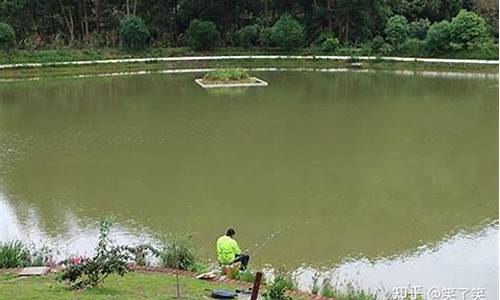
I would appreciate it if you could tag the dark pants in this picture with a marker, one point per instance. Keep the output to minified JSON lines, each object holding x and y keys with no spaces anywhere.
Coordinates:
{"x":243,"y":259}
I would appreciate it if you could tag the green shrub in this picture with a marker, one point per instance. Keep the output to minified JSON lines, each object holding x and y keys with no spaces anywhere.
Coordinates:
{"x":377,"y":43}
{"x":202,"y":35}
{"x":396,"y":30}
{"x":327,"y":289}
{"x":179,"y":252}
{"x":265,"y":37}
{"x":418,"y":29}
{"x":226,"y":75}
{"x":380,"y":47}
{"x":134,"y":33}
{"x":487,"y":50}
{"x":468,"y":29}
{"x":330,"y":45}
{"x":438,"y":37}
{"x":246,"y":275}
{"x":82,"y":272}
{"x":287,"y":33}
{"x":248,"y":35}
{"x":413,"y":48}
{"x":13,"y":255}
{"x":7,"y":36}
{"x":277,"y":290}
{"x":365,"y":49}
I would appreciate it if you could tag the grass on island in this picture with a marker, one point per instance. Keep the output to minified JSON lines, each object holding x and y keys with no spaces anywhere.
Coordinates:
{"x":227,"y":76}
{"x":137,"y":285}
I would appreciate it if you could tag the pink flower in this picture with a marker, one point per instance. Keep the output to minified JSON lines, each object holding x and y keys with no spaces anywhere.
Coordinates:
{"x":76,"y":260}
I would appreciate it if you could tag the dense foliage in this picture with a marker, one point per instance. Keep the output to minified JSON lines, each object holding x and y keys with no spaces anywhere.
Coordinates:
{"x":418,"y":29}
{"x":265,"y":36}
{"x":7,"y":36}
{"x":134,"y":33}
{"x":248,"y":35}
{"x":287,"y":33}
{"x":46,"y":24}
{"x":438,"y":37}
{"x":397,"y":30}
{"x":468,"y":29}
{"x":202,"y":35}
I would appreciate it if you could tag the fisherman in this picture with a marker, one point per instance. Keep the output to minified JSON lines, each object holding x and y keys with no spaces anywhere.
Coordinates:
{"x":228,"y":251}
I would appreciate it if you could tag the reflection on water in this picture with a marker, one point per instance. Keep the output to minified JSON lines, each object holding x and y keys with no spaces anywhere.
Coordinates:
{"x":472,"y":257}
{"x":76,"y":237}
{"x":463,"y":261}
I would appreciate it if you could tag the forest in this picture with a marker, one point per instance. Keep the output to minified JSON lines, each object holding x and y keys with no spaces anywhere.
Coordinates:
{"x":405,"y":27}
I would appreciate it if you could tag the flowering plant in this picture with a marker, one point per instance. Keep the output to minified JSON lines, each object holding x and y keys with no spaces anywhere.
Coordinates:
{"x":81,"y":271}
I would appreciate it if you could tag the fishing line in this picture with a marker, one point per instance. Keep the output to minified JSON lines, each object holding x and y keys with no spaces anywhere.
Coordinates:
{"x":258,"y":246}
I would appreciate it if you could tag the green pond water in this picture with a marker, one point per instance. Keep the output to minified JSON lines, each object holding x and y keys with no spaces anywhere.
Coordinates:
{"x":320,"y":167}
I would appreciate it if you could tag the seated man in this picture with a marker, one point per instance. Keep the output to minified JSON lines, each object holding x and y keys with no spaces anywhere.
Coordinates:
{"x":228,"y":251}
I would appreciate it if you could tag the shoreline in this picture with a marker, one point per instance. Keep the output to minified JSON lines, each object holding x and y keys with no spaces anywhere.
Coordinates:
{"x":190,"y":285}
{"x":402,"y":72}
{"x":88,"y":68}
{"x":252,"y":57}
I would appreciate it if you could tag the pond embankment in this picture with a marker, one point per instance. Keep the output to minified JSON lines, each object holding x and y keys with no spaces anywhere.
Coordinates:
{"x":61,"y":68}
{"x":244,"y":57}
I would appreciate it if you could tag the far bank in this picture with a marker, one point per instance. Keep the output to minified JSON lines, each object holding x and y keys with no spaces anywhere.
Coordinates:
{"x":83,"y":64}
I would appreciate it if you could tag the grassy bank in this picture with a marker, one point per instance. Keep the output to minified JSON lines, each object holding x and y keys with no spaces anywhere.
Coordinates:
{"x":137,"y":285}
{"x":76,"y":54}
{"x":131,"y":286}
{"x":55,"y":71}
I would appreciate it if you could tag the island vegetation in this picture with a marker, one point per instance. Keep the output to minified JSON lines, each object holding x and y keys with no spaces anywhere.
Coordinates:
{"x":227,"y":76}
{"x":44,"y":31}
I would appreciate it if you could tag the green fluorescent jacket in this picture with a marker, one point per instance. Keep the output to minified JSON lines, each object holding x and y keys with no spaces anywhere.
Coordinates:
{"x":227,"y":248}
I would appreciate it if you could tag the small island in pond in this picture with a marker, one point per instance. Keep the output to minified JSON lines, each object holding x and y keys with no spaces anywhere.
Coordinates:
{"x":224,"y":78}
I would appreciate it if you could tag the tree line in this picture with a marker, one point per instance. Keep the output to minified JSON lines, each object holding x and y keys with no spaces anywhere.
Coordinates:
{"x":385,"y":24}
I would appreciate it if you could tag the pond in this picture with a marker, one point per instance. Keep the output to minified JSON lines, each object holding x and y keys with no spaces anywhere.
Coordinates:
{"x":382,"y":178}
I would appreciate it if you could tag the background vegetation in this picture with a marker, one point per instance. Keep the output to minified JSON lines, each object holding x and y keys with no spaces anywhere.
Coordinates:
{"x":443,"y":28}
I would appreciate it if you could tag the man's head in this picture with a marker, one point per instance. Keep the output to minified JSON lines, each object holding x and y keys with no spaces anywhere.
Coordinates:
{"x":230,"y":232}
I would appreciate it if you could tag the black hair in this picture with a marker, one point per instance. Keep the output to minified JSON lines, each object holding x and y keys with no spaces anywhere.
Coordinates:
{"x":230,"y":232}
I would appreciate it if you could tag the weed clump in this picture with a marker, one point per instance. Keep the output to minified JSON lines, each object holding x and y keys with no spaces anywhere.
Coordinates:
{"x":179,"y":252}
{"x":225,"y":75}
{"x":282,"y":283}
{"x":13,"y":255}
